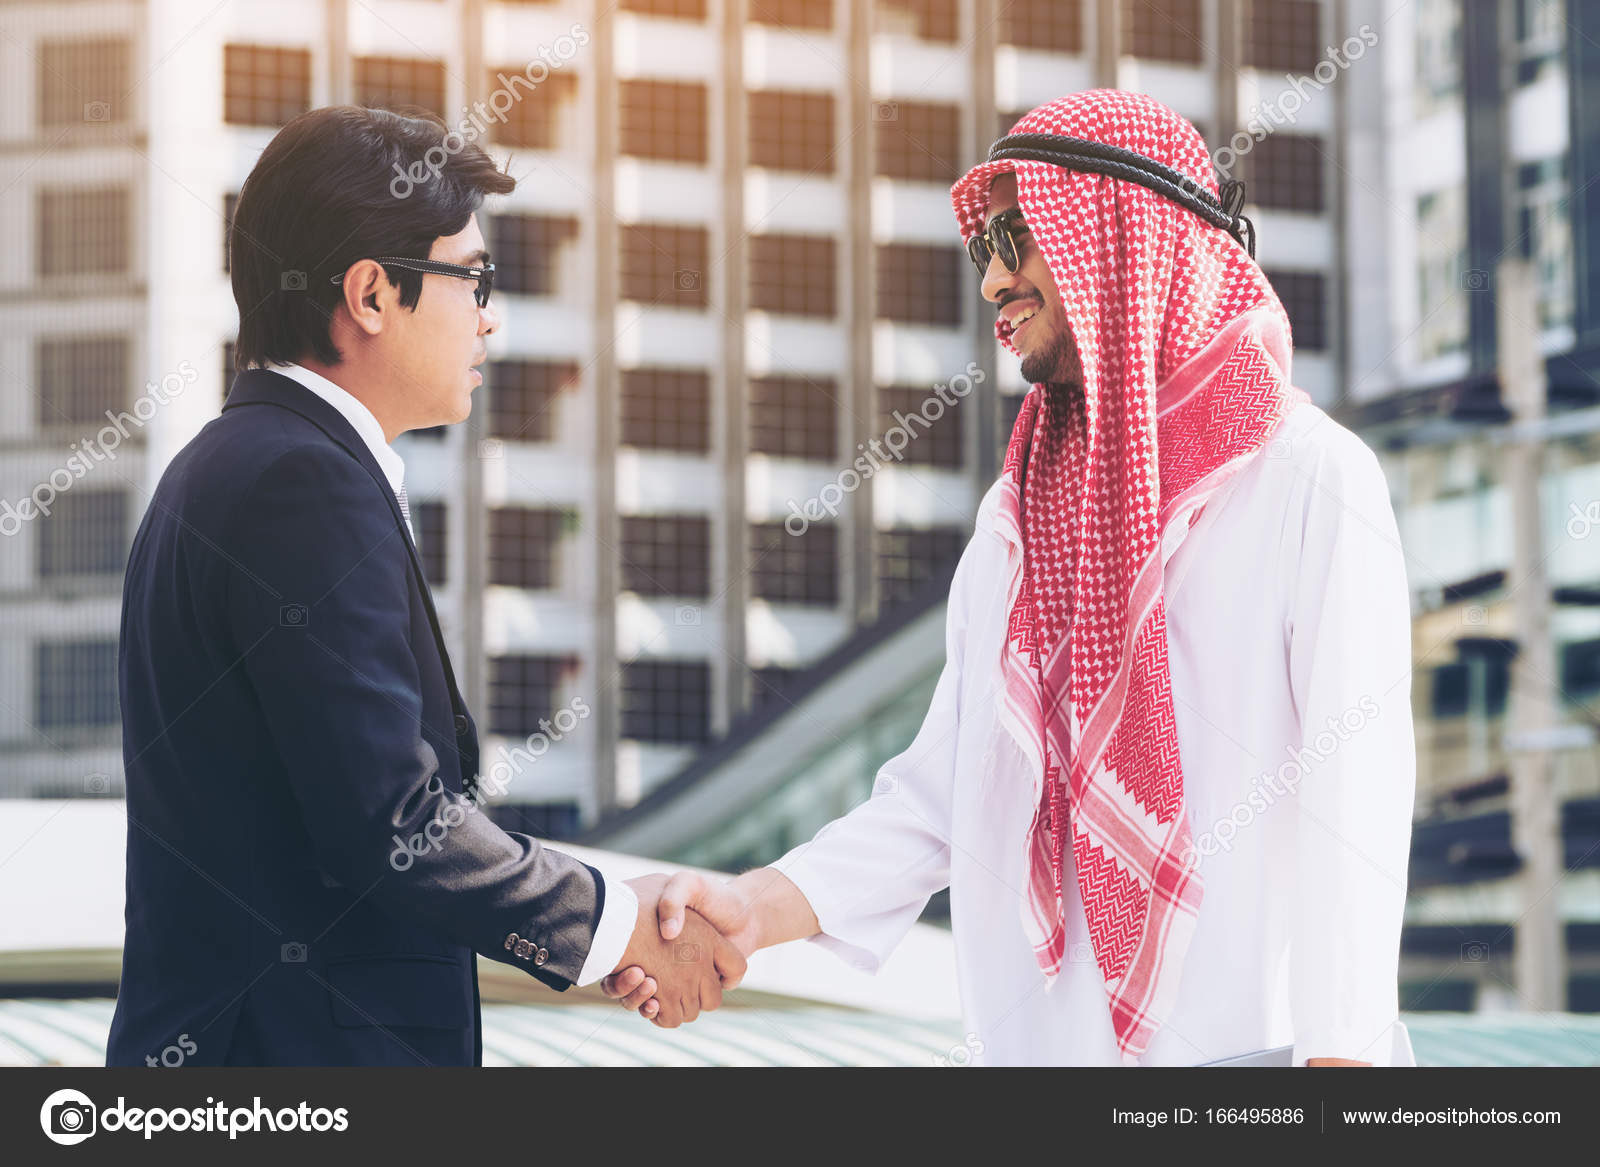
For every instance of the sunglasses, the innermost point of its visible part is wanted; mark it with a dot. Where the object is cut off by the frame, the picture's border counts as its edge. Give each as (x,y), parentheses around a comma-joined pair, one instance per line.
(997,239)
(484,275)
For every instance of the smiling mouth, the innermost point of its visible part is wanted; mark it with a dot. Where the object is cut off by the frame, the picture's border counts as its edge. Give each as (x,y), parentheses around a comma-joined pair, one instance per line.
(1015,324)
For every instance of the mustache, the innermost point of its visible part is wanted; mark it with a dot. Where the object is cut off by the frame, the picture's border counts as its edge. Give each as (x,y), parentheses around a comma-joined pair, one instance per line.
(1002,304)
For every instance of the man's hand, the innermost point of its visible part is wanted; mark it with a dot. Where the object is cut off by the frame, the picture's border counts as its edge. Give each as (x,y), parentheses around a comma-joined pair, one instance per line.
(690,969)
(760,908)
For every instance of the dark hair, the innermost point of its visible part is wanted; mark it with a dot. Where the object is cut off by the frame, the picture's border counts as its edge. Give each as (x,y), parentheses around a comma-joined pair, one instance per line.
(325,193)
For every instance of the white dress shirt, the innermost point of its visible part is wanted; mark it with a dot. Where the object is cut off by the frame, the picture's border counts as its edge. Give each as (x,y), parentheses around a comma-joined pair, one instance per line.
(621,911)
(1287,608)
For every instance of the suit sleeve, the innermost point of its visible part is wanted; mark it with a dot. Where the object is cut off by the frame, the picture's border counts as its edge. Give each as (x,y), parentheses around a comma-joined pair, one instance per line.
(318,606)
(1350,673)
(869,875)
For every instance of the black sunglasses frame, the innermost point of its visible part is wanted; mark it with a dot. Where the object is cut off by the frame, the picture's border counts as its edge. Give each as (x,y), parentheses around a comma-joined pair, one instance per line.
(996,239)
(484,275)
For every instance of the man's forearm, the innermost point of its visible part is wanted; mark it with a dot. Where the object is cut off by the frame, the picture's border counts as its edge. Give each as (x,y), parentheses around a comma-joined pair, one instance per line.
(777,910)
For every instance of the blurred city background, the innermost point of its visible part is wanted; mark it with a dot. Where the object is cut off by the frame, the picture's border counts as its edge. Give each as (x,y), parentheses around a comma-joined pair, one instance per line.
(730,264)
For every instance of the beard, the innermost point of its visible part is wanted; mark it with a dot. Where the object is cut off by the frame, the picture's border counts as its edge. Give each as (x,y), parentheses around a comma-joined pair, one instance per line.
(1057,363)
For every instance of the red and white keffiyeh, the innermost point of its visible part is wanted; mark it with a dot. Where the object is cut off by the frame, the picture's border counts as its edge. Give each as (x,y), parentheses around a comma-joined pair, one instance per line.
(1185,355)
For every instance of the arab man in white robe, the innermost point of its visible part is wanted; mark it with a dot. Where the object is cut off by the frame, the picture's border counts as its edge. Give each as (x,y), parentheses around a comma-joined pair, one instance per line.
(1168,769)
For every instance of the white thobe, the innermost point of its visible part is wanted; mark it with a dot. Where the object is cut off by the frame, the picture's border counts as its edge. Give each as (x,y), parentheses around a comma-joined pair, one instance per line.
(1288,635)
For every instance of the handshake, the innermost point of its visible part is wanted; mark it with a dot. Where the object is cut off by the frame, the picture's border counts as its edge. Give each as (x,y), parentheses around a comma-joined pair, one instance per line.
(694,937)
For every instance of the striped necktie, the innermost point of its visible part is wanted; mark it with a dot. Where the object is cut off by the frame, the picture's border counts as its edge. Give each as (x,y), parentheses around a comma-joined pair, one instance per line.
(405,509)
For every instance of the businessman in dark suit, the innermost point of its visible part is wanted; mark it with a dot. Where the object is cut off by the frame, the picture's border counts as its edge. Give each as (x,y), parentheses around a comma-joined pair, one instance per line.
(309,875)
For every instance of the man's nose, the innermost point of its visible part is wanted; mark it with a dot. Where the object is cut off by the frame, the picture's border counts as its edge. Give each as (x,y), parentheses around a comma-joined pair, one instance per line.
(996,279)
(488,320)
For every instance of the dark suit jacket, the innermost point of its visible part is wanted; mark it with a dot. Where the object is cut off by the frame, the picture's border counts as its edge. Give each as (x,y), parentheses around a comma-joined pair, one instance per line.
(290,724)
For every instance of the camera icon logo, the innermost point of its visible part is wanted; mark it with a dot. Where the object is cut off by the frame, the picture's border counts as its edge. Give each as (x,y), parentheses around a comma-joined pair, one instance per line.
(67,1117)
(293,281)
(687,953)
(292,616)
(97,783)
(293,952)
(97,111)
(686,280)
(886,111)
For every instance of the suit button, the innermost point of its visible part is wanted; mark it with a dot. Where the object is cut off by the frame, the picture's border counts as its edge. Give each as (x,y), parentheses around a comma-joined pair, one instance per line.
(511,940)
(525,949)
(461,725)
(541,956)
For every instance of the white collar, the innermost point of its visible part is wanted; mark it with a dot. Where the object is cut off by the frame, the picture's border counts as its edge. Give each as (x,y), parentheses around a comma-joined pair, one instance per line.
(357,414)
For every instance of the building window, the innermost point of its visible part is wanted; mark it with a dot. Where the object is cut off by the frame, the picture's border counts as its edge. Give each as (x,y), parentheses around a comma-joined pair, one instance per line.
(794,417)
(665,120)
(793,275)
(1438,55)
(1305,298)
(682,9)
(522,397)
(918,141)
(919,284)
(523,543)
(534,119)
(1580,669)
(666,701)
(1286,173)
(1541,38)
(432,545)
(85,533)
(83,82)
(83,231)
(392,82)
(929,20)
(816,14)
(795,569)
(264,86)
(1282,35)
(664,265)
(667,409)
(769,687)
(1478,684)
(527,250)
(1054,25)
(1442,274)
(524,689)
(667,555)
(932,443)
(1544,230)
(909,557)
(75,684)
(792,131)
(81,378)
(1163,30)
